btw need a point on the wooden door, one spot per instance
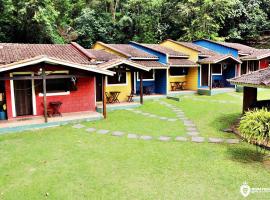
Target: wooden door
(98, 88)
(23, 97)
(204, 75)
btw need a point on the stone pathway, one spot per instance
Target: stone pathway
(189, 125)
(146, 114)
(210, 100)
(193, 138)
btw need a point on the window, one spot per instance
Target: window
(118, 78)
(178, 71)
(147, 75)
(58, 85)
(217, 69)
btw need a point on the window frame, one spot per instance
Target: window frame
(151, 79)
(117, 84)
(221, 70)
(178, 76)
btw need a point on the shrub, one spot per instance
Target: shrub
(255, 126)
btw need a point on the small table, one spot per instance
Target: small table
(55, 106)
(114, 96)
(178, 85)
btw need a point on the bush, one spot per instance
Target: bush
(255, 126)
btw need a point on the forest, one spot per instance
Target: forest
(120, 21)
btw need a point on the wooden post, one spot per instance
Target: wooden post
(141, 89)
(210, 76)
(104, 97)
(44, 94)
(249, 97)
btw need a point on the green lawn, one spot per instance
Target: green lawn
(68, 163)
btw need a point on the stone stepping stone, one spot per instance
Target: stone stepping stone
(103, 131)
(146, 137)
(132, 136)
(163, 118)
(193, 133)
(197, 139)
(145, 114)
(117, 133)
(192, 128)
(90, 130)
(78, 126)
(130, 109)
(232, 141)
(180, 138)
(215, 140)
(172, 120)
(164, 138)
(152, 115)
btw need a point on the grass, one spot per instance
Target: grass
(68, 163)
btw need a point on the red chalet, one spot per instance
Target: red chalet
(47, 79)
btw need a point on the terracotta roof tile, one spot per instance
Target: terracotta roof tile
(218, 58)
(242, 49)
(132, 51)
(162, 49)
(10, 52)
(258, 78)
(182, 62)
(151, 64)
(102, 55)
(257, 55)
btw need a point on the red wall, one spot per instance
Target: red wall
(81, 100)
(264, 63)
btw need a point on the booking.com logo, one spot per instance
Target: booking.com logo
(246, 190)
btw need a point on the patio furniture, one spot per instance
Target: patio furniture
(130, 97)
(115, 95)
(109, 98)
(55, 106)
(177, 85)
(217, 84)
(148, 89)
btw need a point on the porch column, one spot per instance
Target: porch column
(44, 95)
(104, 109)
(249, 97)
(209, 76)
(247, 68)
(141, 88)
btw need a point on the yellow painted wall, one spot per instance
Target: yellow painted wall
(193, 55)
(124, 89)
(192, 77)
(175, 79)
(99, 46)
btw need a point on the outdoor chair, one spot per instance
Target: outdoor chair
(109, 98)
(130, 97)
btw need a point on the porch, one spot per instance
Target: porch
(215, 73)
(36, 122)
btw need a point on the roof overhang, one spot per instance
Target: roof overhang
(51, 60)
(256, 57)
(184, 65)
(116, 62)
(220, 60)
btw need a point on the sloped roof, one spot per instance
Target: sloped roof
(102, 55)
(202, 51)
(129, 51)
(242, 49)
(260, 78)
(151, 64)
(12, 52)
(218, 58)
(116, 62)
(182, 62)
(162, 49)
(53, 60)
(257, 55)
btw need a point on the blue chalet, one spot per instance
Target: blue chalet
(218, 68)
(181, 77)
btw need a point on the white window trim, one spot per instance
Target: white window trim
(34, 103)
(55, 72)
(50, 94)
(118, 84)
(150, 79)
(221, 69)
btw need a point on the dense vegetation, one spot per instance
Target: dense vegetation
(118, 21)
